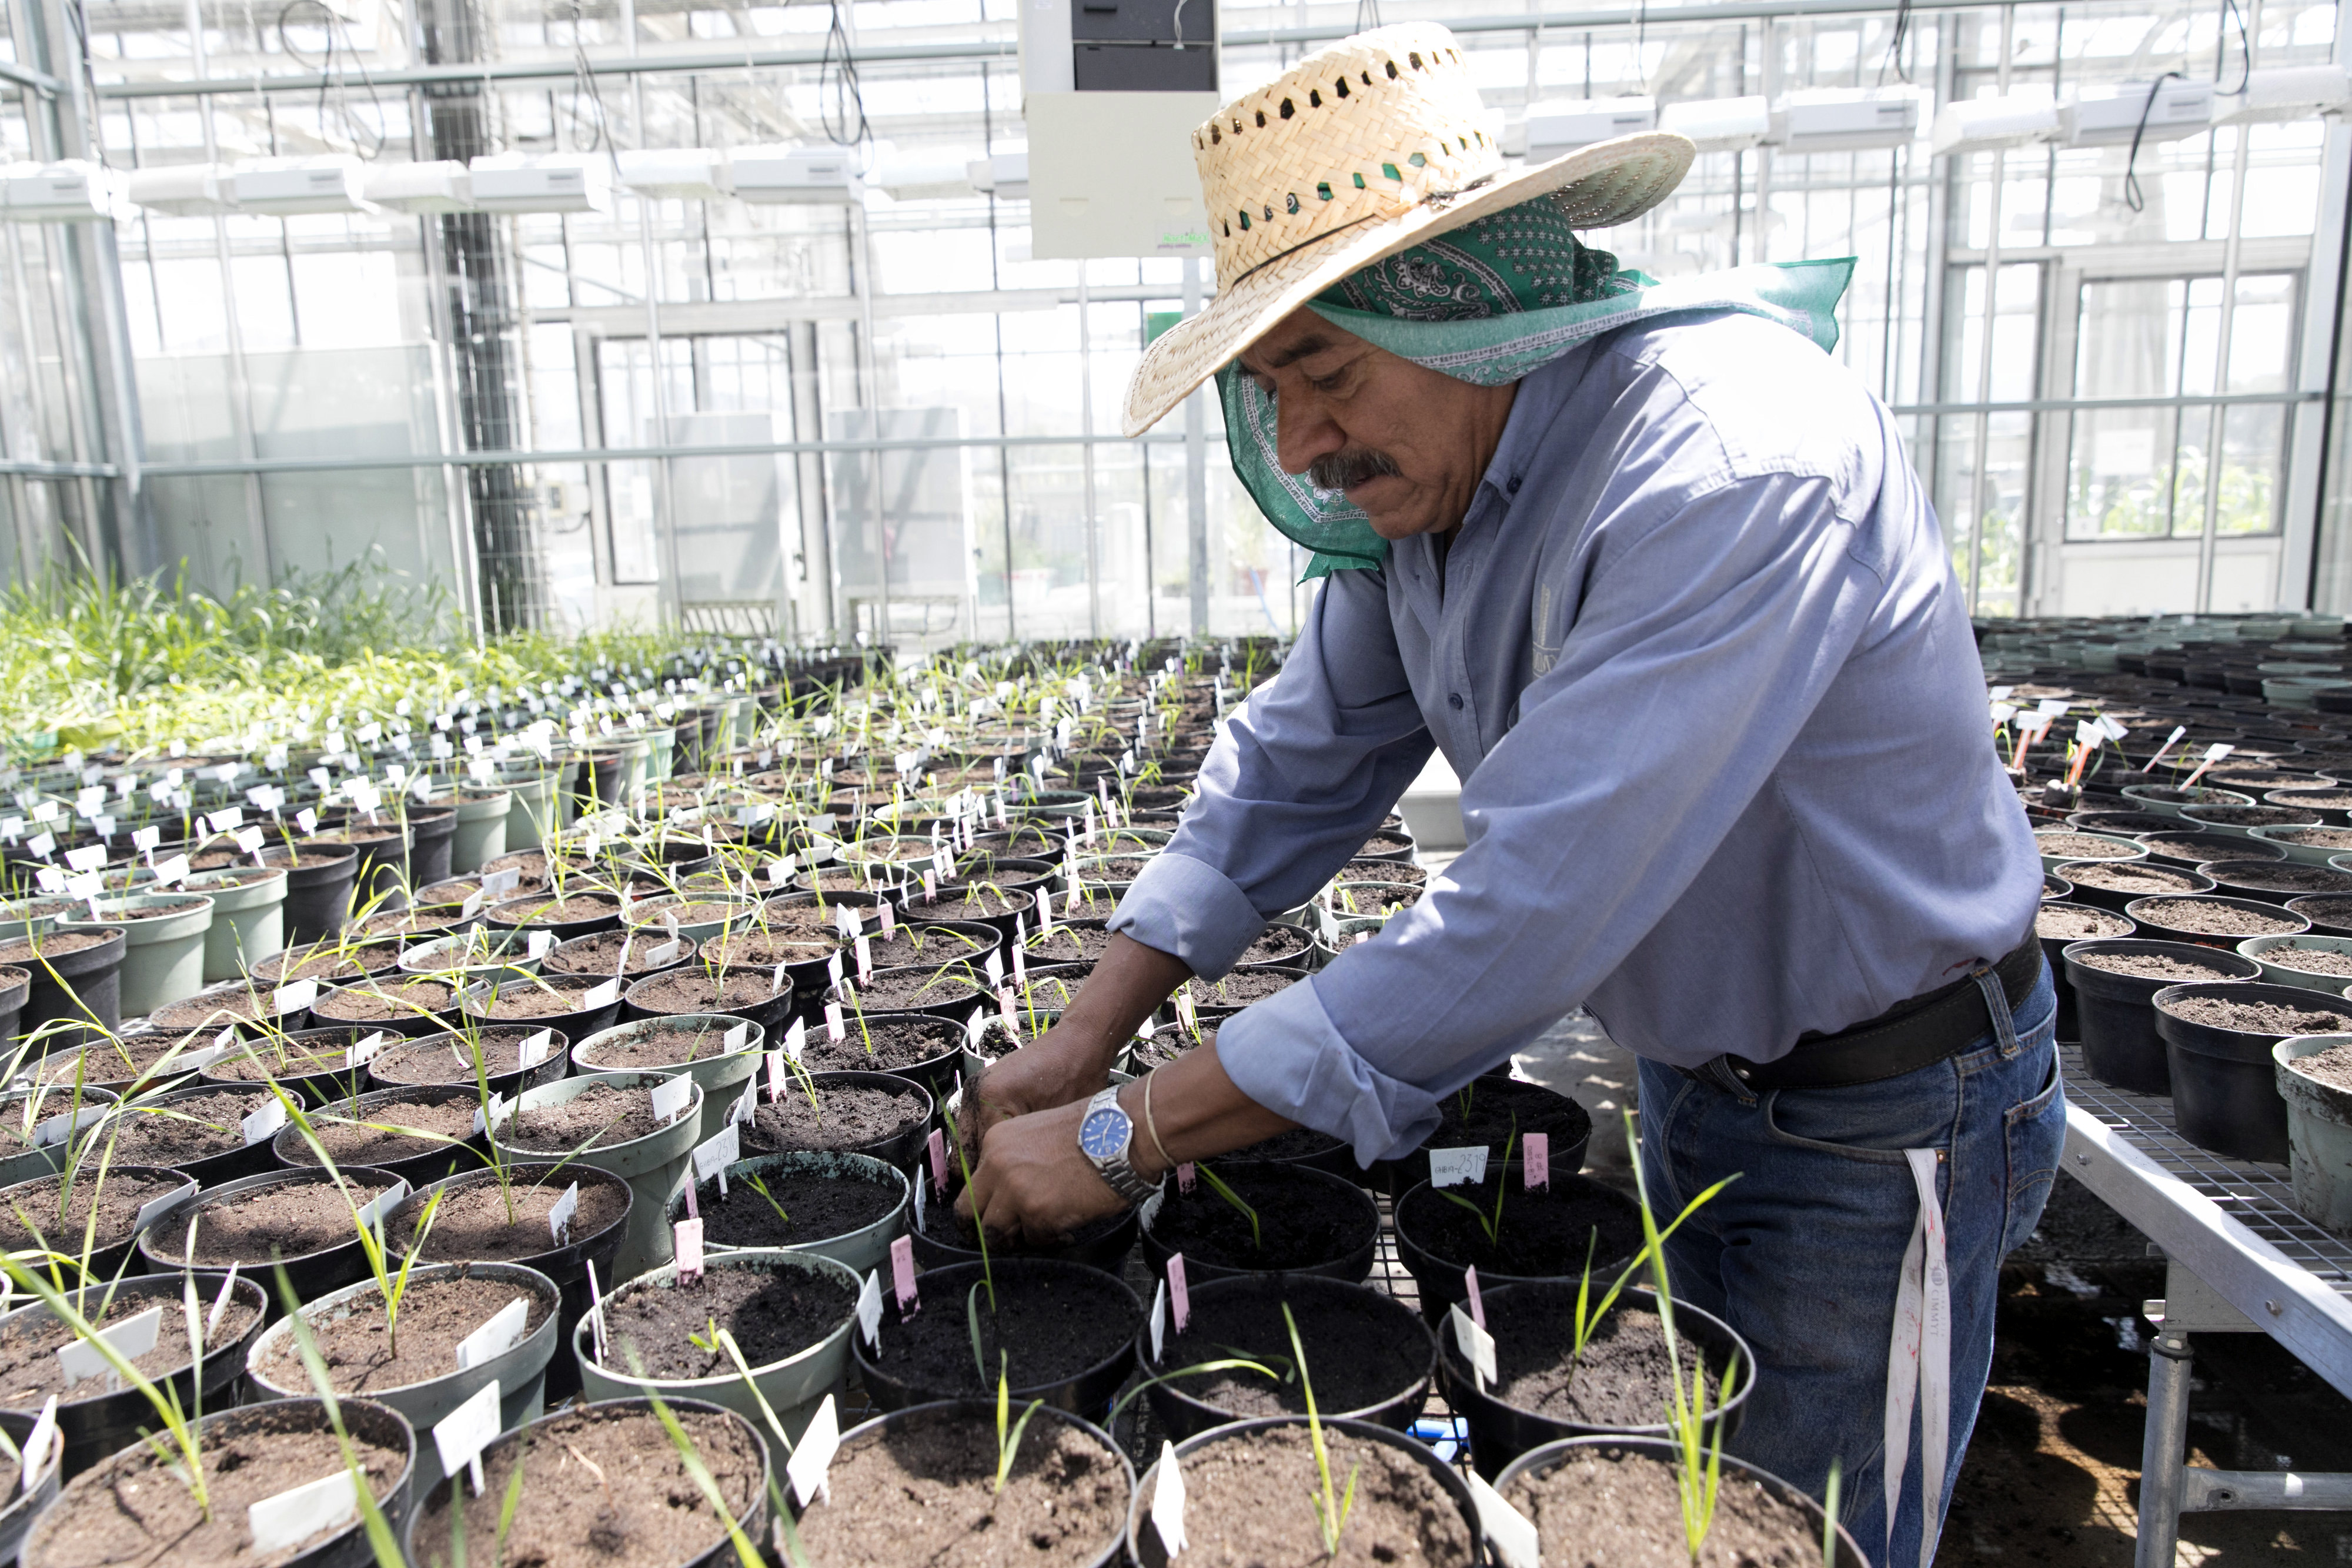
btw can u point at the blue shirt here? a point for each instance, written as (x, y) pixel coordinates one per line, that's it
(1699, 658)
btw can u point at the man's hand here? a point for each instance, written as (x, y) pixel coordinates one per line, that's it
(1072, 1060)
(1034, 1186)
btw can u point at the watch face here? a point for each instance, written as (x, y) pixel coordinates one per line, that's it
(1104, 1134)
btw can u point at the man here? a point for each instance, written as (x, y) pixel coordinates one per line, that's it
(1652, 572)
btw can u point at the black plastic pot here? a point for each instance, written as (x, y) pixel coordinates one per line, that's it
(1500, 1433)
(311, 1274)
(74, 989)
(16, 985)
(2225, 1093)
(433, 833)
(319, 891)
(294, 1151)
(1353, 1249)
(1849, 1555)
(2120, 1043)
(1569, 1138)
(772, 1012)
(97, 1425)
(108, 1261)
(382, 849)
(1309, 1297)
(2154, 922)
(2190, 848)
(958, 996)
(2328, 916)
(308, 1061)
(523, 914)
(944, 1289)
(1106, 1250)
(577, 1024)
(2116, 900)
(895, 1151)
(211, 1170)
(455, 1048)
(2068, 1025)
(1441, 1278)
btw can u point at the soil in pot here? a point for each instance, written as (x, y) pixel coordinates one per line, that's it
(1246, 1502)
(2309, 960)
(772, 1315)
(1356, 1360)
(922, 1489)
(906, 989)
(603, 1484)
(1240, 987)
(435, 1314)
(766, 950)
(1050, 1326)
(475, 1225)
(2257, 1018)
(2332, 913)
(1493, 1111)
(208, 1009)
(119, 1061)
(1384, 870)
(653, 1048)
(846, 1116)
(1277, 944)
(555, 995)
(546, 910)
(132, 1511)
(2078, 923)
(900, 1042)
(2257, 817)
(198, 1125)
(2207, 918)
(2081, 847)
(386, 1001)
(329, 962)
(365, 1138)
(602, 1115)
(450, 1058)
(2154, 966)
(796, 1207)
(2332, 1067)
(1545, 1234)
(1301, 1222)
(943, 1225)
(1621, 1380)
(2319, 838)
(2282, 876)
(1626, 1511)
(284, 1219)
(926, 944)
(2131, 878)
(30, 1219)
(30, 1373)
(968, 903)
(1068, 945)
(601, 955)
(2196, 848)
(694, 991)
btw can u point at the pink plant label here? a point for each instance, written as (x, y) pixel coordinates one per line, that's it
(1536, 1150)
(1184, 1177)
(889, 920)
(902, 1275)
(1477, 1306)
(688, 1243)
(1180, 1299)
(938, 1149)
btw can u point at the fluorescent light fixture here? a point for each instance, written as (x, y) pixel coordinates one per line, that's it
(444, 187)
(1554, 129)
(1005, 173)
(1840, 120)
(72, 190)
(542, 182)
(1994, 124)
(181, 190)
(783, 173)
(2285, 92)
(2178, 108)
(1719, 124)
(676, 173)
(295, 187)
(915, 180)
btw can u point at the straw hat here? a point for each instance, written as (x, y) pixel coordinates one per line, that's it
(1356, 153)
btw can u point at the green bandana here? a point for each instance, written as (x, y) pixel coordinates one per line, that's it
(1488, 303)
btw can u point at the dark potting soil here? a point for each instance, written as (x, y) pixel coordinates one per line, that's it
(120, 1059)
(888, 992)
(2132, 877)
(1277, 944)
(546, 910)
(1068, 944)
(473, 1223)
(1627, 1513)
(383, 1001)
(367, 1137)
(288, 1219)
(2257, 1018)
(155, 911)
(766, 950)
(1245, 1506)
(2285, 876)
(600, 1116)
(692, 991)
(1358, 1360)
(554, 996)
(1545, 1234)
(190, 1129)
(1384, 870)
(904, 1040)
(2082, 847)
(2337, 912)
(926, 1493)
(2333, 800)
(2256, 816)
(30, 1219)
(261, 1060)
(1381, 844)
(655, 1048)
(2077, 924)
(54, 945)
(1050, 1327)
(134, 1513)
(772, 1315)
(942, 1224)
(922, 944)
(30, 1373)
(844, 1117)
(329, 961)
(2155, 967)
(2332, 1067)
(450, 1058)
(1301, 1222)
(2172, 797)
(2207, 918)
(969, 903)
(2319, 838)
(2196, 848)
(210, 1008)
(2309, 960)
(999, 1039)
(604, 1487)
(650, 916)
(601, 955)
(1623, 1380)
(1114, 868)
(814, 1207)
(425, 920)
(435, 1314)
(1298, 1144)
(1240, 988)
(1490, 1111)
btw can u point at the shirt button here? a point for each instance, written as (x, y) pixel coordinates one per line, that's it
(1513, 487)
(1454, 701)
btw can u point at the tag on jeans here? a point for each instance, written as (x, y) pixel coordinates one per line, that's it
(670, 1097)
(330, 1502)
(80, 1361)
(1477, 1345)
(813, 1455)
(559, 1218)
(1453, 1167)
(1168, 1500)
(1511, 1533)
(465, 1432)
(496, 1336)
(263, 1123)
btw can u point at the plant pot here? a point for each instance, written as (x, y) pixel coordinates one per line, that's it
(1383, 1365)
(531, 812)
(914, 1046)
(863, 1244)
(1488, 1111)
(312, 1063)
(94, 1423)
(418, 1169)
(379, 876)
(2319, 1132)
(31, 1114)
(74, 983)
(16, 985)
(238, 1485)
(2278, 955)
(651, 1165)
(2164, 800)
(411, 1006)
(691, 1043)
(736, 991)
(1538, 1461)
(577, 1004)
(699, 919)
(1557, 1245)
(774, 1130)
(249, 919)
(1073, 1327)
(520, 1371)
(311, 1273)
(450, 1058)
(211, 1104)
(938, 1237)
(319, 891)
(579, 912)
(2120, 1043)
(2201, 920)
(163, 953)
(1146, 1549)
(2311, 843)
(484, 812)
(109, 1249)
(1319, 1223)
(2225, 1094)
(792, 1385)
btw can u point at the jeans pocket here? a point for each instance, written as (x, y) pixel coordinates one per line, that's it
(2036, 1131)
(1869, 1122)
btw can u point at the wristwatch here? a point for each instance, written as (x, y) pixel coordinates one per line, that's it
(1105, 1135)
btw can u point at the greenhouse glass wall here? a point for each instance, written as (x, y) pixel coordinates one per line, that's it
(2119, 360)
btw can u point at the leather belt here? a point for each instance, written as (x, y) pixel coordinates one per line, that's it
(1909, 1035)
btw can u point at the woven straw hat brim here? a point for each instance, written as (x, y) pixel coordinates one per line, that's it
(1602, 185)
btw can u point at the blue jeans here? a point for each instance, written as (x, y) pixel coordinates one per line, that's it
(1802, 1253)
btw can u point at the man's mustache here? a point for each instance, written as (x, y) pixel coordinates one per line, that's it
(1351, 466)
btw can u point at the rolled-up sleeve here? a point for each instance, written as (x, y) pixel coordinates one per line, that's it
(1705, 640)
(1303, 771)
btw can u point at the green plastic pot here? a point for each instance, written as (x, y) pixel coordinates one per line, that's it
(2301, 855)
(485, 822)
(249, 919)
(2258, 947)
(866, 1248)
(163, 956)
(651, 1165)
(532, 808)
(2318, 1133)
(721, 1076)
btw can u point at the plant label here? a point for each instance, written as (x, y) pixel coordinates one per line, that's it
(133, 1337)
(1453, 1167)
(501, 885)
(89, 857)
(40, 1446)
(485, 1116)
(921, 1222)
(714, 1155)
(465, 1432)
(494, 1338)
(669, 953)
(293, 1517)
(796, 1040)
(864, 946)
(1168, 1500)
(1511, 1533)
(938, 1149)
(1536, 1149)
(746, 1105)
(264, 1123)
(248, 840)
(813, 1456)
(155, 1209)
(831, 966)
(55, 1130)
(372, 1213)
(534, 1047)
(538, 943)
(833, 1030)
(889, 920)
(365, 1049)
(1187, 1011)
(473, 905)
(869, 1310)
(686, 1247)
(171, 871)
(144, 839)
(1004, 1007)
(1180, 1298)
(902, 1276)
(307, 820)
(670, 1097)
(1185, 1177)
(602, 995)
(596, 1312)
(293, 996)
(1159, 1319)
(1477, 1345)
(559, 1216)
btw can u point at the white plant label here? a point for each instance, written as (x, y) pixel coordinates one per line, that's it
(746, 1105)
(500, 1334)
(473, 905)
(813, 1457)
(1512, 1533)
(145, 839)
(869, 1310)
(559, 1218)
(293, 996)
(534, 1049)
(1453, 1167)
(38, 1443)
(264, 1122)
(220, 1302)
(669, 953)
(465, 1432)
(132, 1338)
(248, 840)
(293, 1517)
(833, 1026)
(736, 1038)
(500, 884)
(714, 1155)
(56, 1129)
(796, 1040)
(670, 1097)
(1168, 1500)
(1477, 1345)
(602, 995)
(155, 1209)
(1159, 1320)
(921, 1222)
(365, 1049)
(89, 857)
(536, 945)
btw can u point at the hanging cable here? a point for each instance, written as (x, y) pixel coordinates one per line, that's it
(2229, 12)
(1895, 42)
(841, 102)
(584, 85)
(1367, 9)
(367, 141)
(2132, 196)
